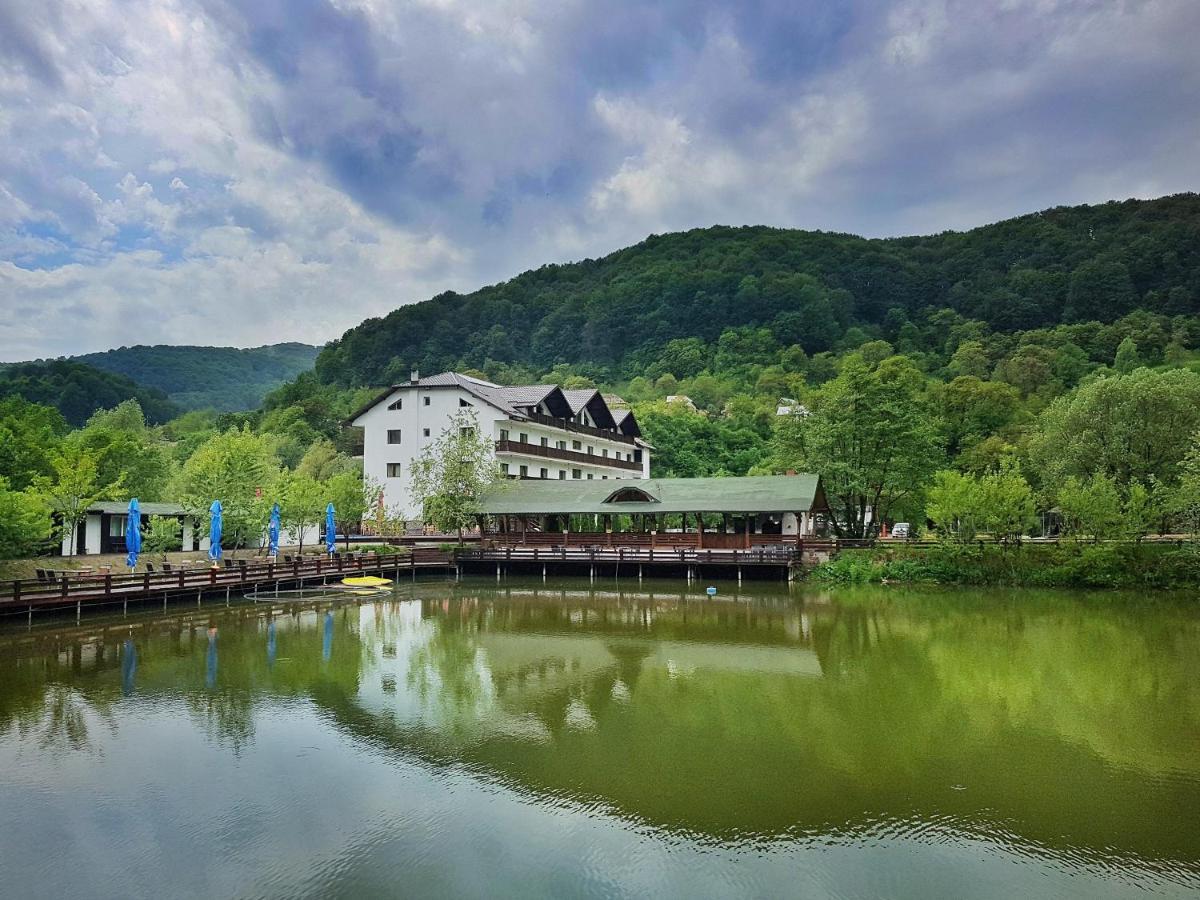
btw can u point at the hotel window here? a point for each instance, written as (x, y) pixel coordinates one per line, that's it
(425, 432)
(462, 402)
(393, 470)
(544, 473)
(545, 442)
(393, 435)
(116, 526)
(523, 437)
(466, 432)
(561, 445)
(590, 476)
(504, 434)
(604, 478)
(576, 445)
(426, 399)
(591, 450)
(396, 404)
(604, 451)
(628, 457)
(524, 471)
(576, 473)
(504, 468)
(562, 474)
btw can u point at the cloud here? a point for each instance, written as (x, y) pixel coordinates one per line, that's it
(237, 172)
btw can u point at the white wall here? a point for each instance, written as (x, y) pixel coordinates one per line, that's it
(415, 416)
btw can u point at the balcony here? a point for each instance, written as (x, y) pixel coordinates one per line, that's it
(567, 456)
(568, 425)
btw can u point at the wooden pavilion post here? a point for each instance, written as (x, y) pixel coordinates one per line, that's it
(700, 531)
(746, 526)
(524, 526)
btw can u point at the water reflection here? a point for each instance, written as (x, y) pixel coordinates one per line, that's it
(1057, 728)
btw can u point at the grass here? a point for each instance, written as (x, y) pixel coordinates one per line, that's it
(1031, 565)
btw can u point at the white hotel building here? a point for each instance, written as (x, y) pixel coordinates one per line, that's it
(541, 431)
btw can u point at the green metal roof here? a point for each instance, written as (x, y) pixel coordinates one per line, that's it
(754, 494)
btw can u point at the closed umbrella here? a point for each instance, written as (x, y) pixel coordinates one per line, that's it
(273, 532)
(330, 529)
(133, 533)
(215, 525)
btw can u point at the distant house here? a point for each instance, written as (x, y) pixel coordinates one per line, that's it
(682, 400)
(540, 432)
(789, 407)
(103, 527)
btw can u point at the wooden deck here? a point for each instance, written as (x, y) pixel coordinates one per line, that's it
(17, 597)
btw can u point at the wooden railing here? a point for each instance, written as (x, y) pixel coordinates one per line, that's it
(568, 456)
(567, 425)
(665, 555)
(66, 589)
(712, 540)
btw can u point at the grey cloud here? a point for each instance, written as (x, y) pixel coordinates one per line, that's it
(343, 157)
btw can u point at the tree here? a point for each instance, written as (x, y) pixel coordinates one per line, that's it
(125, 450)
(953, 503)
(238, 468)
(164, 534)
(1127, 358)
(1090, 507)
(1128, 427)
(1008, 503)
(351, 495)
(871, 436)
(1143, 510)
(74, 486)
(301, 504)
(1184, 500)
(25, 525)
(452, 473)
(29, 436)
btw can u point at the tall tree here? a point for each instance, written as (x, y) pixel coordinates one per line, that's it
(74, 486)
(871, 436)
(25, 526)
(301, 504)
(238, 468)
(452, 473)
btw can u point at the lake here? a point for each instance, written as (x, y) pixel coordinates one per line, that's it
(569, 740)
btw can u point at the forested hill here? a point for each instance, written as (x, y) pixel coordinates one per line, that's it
(77, 390)
(226, 379)
(610, 318)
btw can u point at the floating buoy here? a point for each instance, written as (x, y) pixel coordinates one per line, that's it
(712, 591)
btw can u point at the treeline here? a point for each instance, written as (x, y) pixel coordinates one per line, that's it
(227, 379)
(77, 390)
(50, 474)
(609, 319)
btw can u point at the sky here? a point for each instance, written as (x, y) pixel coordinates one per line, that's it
(244, 173)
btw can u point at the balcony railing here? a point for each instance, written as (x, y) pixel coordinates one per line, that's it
(569, 456)
(568, 425)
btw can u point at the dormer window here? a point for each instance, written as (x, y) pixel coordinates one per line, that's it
(462, 402)
(396, 404)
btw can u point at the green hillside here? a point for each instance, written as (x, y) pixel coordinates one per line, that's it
(77, 390)
(226, 379)
(610, 318)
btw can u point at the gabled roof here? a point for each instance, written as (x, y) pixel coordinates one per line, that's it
(752, 494)
(510, 400)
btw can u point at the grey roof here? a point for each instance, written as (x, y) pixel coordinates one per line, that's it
(578, 398)
(752, 494)
(148, 509)
(510, 400)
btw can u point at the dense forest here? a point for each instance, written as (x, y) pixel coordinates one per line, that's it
(611, 318)
(77, 390)
(1041, 373)
(226, 379)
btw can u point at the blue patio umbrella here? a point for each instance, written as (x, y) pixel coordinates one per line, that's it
(327, 638)
(330, 529)
(270, 644)
(273, 531)
(128, 667)
(133, 533)
(215, 525)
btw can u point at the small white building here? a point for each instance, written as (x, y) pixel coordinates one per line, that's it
(540, 431)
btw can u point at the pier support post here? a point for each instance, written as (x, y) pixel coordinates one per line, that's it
(739, 576)
(497, 571)
(31, 614)
(639, 573)
(592, 573)
(78, 609)
(543, 573)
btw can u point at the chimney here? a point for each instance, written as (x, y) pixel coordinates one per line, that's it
(414, 376)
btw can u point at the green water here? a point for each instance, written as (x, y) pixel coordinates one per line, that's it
(559, 741)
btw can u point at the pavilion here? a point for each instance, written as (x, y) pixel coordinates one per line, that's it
(713, 513)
